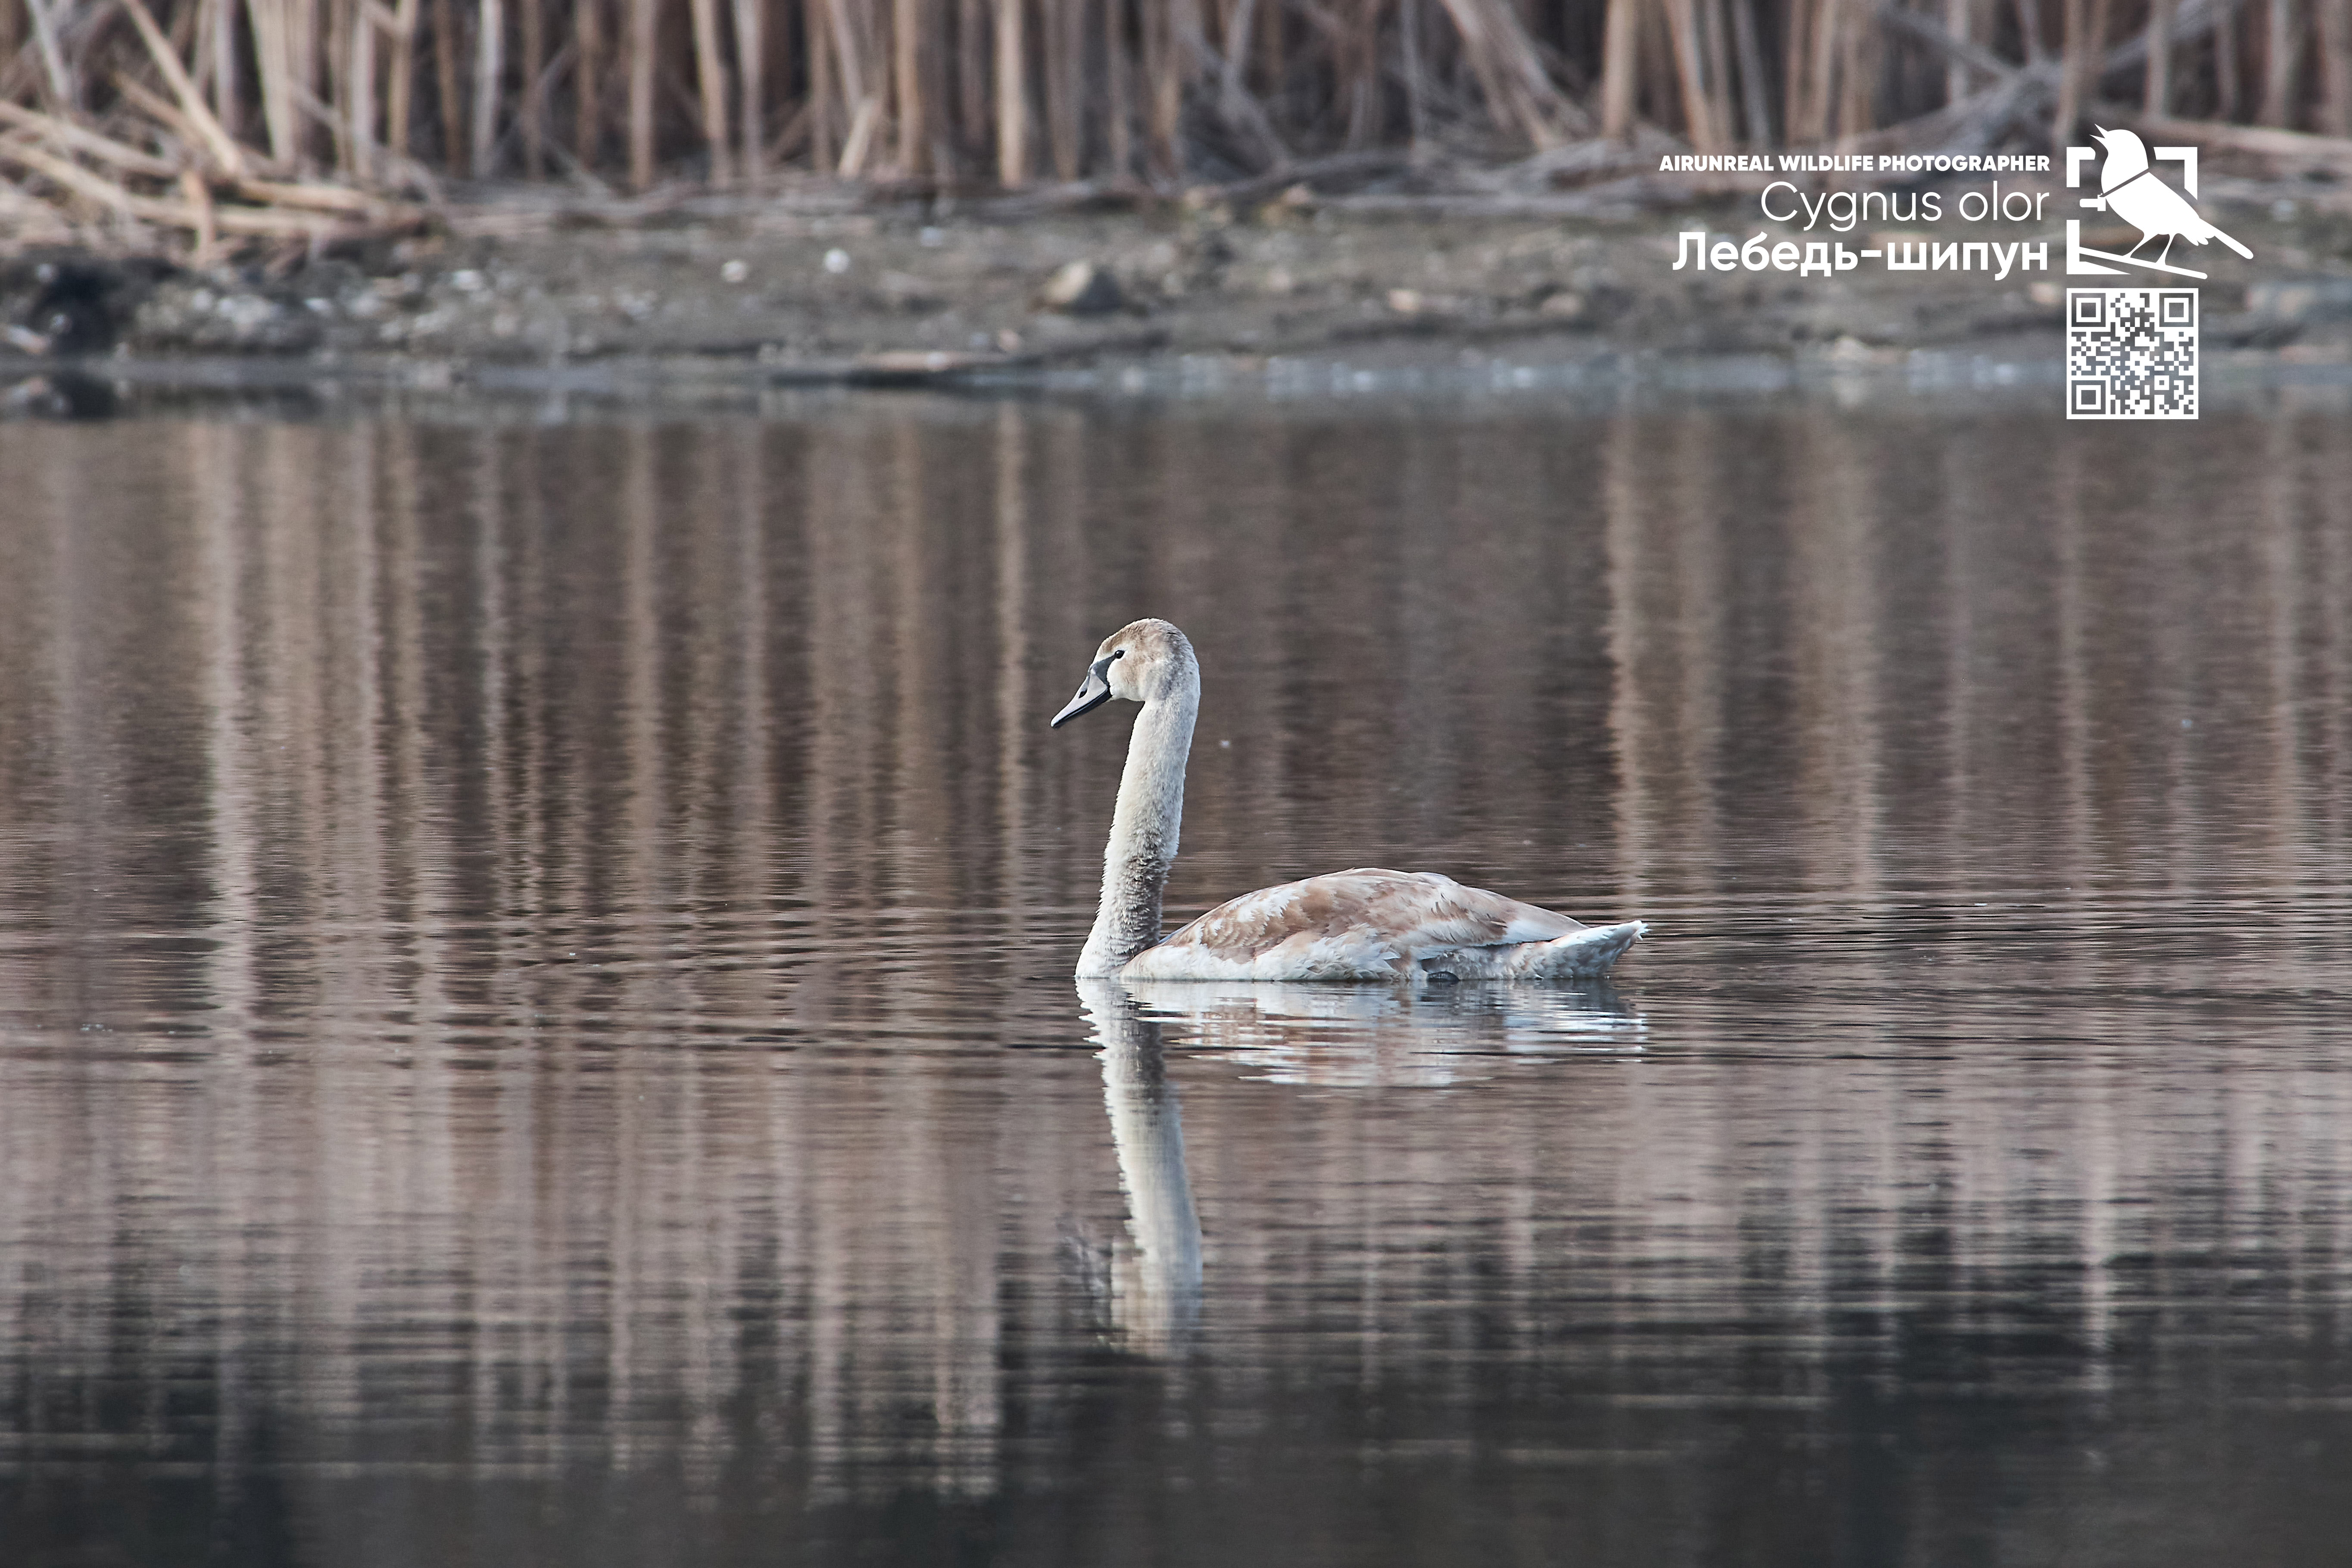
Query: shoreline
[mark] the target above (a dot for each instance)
(779, 297)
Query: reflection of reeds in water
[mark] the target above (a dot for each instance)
(209, 118)
(586, 874)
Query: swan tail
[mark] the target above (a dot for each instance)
(1584, 954)
(1587, 954)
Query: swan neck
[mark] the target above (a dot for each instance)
(1143, 831)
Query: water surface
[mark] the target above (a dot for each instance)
(536, 1028)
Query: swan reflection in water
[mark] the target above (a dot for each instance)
(1155, 1286)
(1427, 1036)
(1331, 1036)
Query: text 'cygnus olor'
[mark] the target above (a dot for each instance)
(1365, 924)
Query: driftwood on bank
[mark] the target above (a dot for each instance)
(200, 180)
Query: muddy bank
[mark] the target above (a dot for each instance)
(773, 297)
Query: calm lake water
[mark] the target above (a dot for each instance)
(536, 1028)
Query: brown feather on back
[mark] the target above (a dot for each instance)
(1416, 912)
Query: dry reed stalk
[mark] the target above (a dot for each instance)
(299, 19)
(338, 86)
(1012, 96)
(792, 138)
(489, 65)
(2028, 27)
(226, 100)
(1662, 89)
(404, 79)
(858, 144)
(1715, 38)
(587, 81)
(157, 108)
(72, 176)
(2091, 56)
(1236, 104)
(191, 38)
(1796, 81)
(191, 104)
(1234, 34)
(1698, 118)
(1079, 89)
(2228, 81)
(2336, 67)
(711, 81)
(778, 73)
(1163, 52)
(181, 213)
(63, 94)
(2282, 52)
(359, 92)
(444, 80)
(1065, 45)
(1118, 92)
(823, 94)
(1753, 96)
(311, 197)
(1958, 20)
(858, 93)
(971, 107)
(1416, 93)
(2156, 91)
(1356, 72)
(68, 137)
(910, 32)
(2095, 53)
(1858, 74)
(1823, 77)
(645, 22)
(1509, 73)
(226, 154)
(185, 21)
(200, 202)
(534, 89)
(1620, 59)
(2076, 22)
(750, 62)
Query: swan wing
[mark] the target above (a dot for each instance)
(1363, 923)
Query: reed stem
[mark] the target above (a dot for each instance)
(371, 92)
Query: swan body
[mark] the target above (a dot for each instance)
(1365, 924)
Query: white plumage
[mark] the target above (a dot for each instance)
(1364, 924)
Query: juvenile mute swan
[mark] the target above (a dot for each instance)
(1364, 924)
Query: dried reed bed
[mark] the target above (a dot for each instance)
(229, 119)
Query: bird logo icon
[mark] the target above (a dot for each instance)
(2130, 188)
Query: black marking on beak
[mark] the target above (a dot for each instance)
(1092, 692)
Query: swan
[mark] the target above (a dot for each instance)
(1365, 924)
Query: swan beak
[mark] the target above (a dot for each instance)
(1093, 692)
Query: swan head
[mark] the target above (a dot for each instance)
(1141, 662)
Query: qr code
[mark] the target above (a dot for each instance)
(2131, 354)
